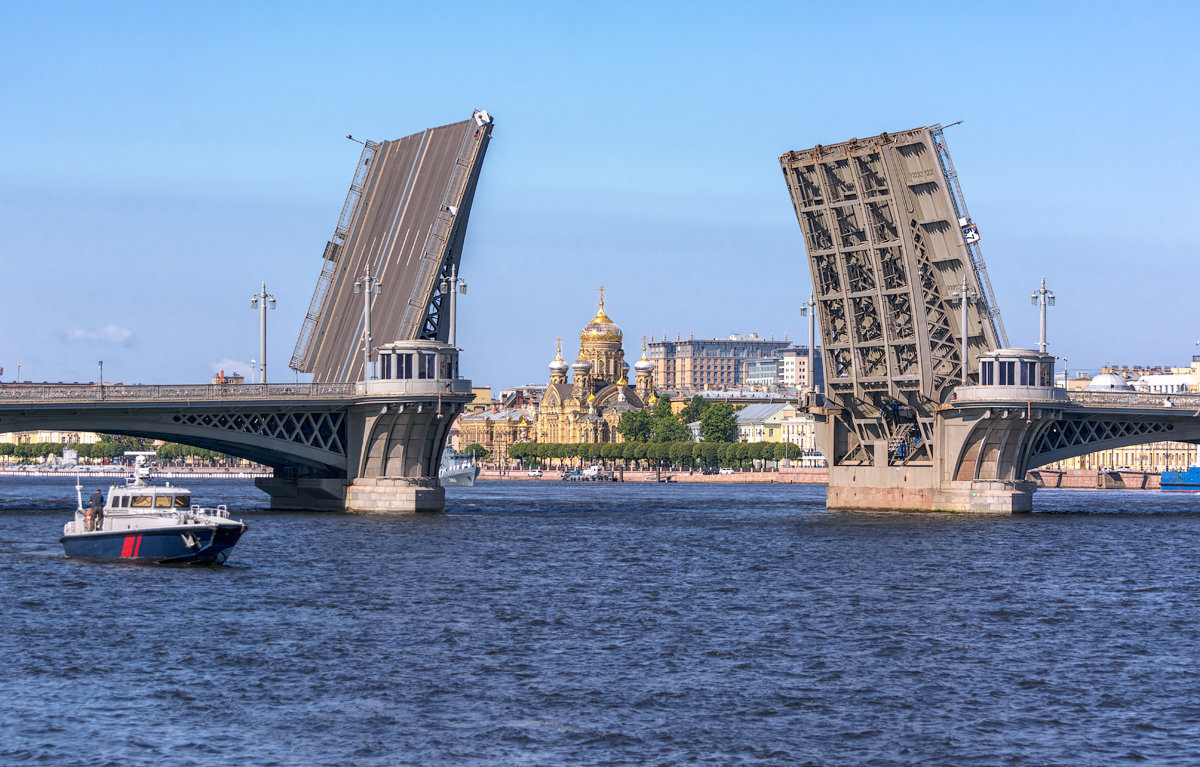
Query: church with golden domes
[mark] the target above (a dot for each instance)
(588, 407)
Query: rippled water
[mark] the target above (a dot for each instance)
(546, 623)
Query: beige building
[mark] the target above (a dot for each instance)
(686, 366)
(56, 437)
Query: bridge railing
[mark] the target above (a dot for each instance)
(124, 393)
(1135, 399)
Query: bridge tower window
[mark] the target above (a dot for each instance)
(1008, 371)
(987, 373)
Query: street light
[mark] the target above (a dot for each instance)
(452, 285)
(965, 294)
(1066, 375)
(809, 308)
(252, 363)
(1044, 298)
(368, 286)
(261, 301)
(101, 379)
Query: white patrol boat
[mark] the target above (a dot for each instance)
(150, 524)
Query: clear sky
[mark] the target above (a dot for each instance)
(159, 160)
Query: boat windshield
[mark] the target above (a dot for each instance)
(183, 501)
(162, 502)
(139, 501)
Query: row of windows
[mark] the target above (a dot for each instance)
(146, 501)
(425, 366)
(1009, 373)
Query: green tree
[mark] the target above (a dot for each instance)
(718, 424)
(477, 450)
(636, 426)
(667, 426)
(694, 410)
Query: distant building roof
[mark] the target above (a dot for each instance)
(757, 413)
(1108, 382)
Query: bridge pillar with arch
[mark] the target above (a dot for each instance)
(364, 446)
(925, 407)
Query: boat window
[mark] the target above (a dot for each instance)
(183, 501)
(162, 501)
(140, 501)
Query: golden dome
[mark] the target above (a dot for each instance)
(592, 397)
(601, 328)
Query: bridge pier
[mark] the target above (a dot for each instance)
(917, 488)
(304, 493)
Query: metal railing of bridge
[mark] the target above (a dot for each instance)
(1135, 399)
(169, 392)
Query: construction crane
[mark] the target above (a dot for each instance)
(970, 232)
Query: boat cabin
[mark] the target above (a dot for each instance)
(148, 497)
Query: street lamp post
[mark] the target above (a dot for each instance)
(101, 379)
(261, 300)
(966, 295)
(368, 286)
(253, 362)
(1043, 298)
(809, 308)
(1066, 375)
(452, 286)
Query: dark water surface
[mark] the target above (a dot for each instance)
(546, 624)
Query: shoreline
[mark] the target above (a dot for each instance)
(1075, 479)
(125, 471)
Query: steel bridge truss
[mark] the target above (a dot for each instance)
(321, 430)
(887, 257)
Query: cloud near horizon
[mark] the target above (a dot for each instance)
(109, 334)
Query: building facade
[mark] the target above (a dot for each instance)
(686, 366)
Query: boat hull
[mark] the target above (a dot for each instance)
(193, 545)
(1181, 481)
(459, 478)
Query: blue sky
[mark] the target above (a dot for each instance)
(160, 160)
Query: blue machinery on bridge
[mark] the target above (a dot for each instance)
(924, 407)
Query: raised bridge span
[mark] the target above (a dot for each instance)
(350, 440)
(925, 406)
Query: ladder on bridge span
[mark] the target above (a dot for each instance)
(970, 231)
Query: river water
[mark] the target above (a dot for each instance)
(617, 624)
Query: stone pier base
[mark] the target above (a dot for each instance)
(395, 495)
(866, 488)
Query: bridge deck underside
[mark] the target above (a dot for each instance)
(310, 440)
(401, 201)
